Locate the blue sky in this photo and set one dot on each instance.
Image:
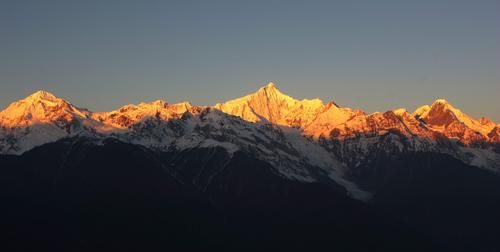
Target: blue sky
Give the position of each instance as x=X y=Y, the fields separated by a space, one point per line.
x=373 y=55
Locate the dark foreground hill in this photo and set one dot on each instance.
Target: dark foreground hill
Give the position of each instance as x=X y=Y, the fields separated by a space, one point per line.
x=80 y=195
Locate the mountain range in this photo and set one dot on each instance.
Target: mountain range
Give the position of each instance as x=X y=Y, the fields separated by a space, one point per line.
x=43 y=118
x=257 y=156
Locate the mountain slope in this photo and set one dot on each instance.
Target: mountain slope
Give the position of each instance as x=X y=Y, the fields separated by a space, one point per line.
x=131 y=114
x=254 y=172
x=352 y=135
x=38 y=119
x=161 y=126
x=443 y=117
x=88 y=194
x=40 y=107
x=85 y=195
x=303 y=140
x=269 y=104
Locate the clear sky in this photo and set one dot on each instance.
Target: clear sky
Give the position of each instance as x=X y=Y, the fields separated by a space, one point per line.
x=373 y=55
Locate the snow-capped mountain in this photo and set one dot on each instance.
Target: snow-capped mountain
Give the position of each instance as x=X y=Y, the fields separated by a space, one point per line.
x=265 y=160
x=304 y=140
x=176 y=127
x=317 y=119
x=39 y=119
x=442 y=117
x=292 y=155
x=38 y=108
x=132 y=114
x=354 y=136
x=270 y=105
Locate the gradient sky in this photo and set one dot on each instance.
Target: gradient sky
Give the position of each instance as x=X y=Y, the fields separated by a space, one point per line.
x=373 y=55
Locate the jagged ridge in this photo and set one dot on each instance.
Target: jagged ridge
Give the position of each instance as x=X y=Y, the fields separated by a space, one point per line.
x=267 y=122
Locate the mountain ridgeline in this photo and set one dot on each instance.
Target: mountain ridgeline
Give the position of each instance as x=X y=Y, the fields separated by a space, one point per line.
x=261 y=172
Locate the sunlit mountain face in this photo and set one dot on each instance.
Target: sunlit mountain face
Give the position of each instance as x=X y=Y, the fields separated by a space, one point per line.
x=261 y=171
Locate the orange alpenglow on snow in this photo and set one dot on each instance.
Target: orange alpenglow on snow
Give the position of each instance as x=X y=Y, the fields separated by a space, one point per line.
x=330 y=120
x=131 y=114
x=313 y=118
x=269 y=104
x=40 y=107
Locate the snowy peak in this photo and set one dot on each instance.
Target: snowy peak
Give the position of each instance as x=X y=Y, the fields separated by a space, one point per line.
x=270 y=104
x=400 y=112
x=182 y=107
x=131 y=114
x=42 y=95
x=441 y=114
x=440 y=101
x=444 y=117
x=40 y=107
x=39 y=119
x=273 y=97
x=331 y=104
x=43 y=117
x=439 y=106
x=421 y=111
x=270 y=88
x=271 y=85
x=328 y=119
